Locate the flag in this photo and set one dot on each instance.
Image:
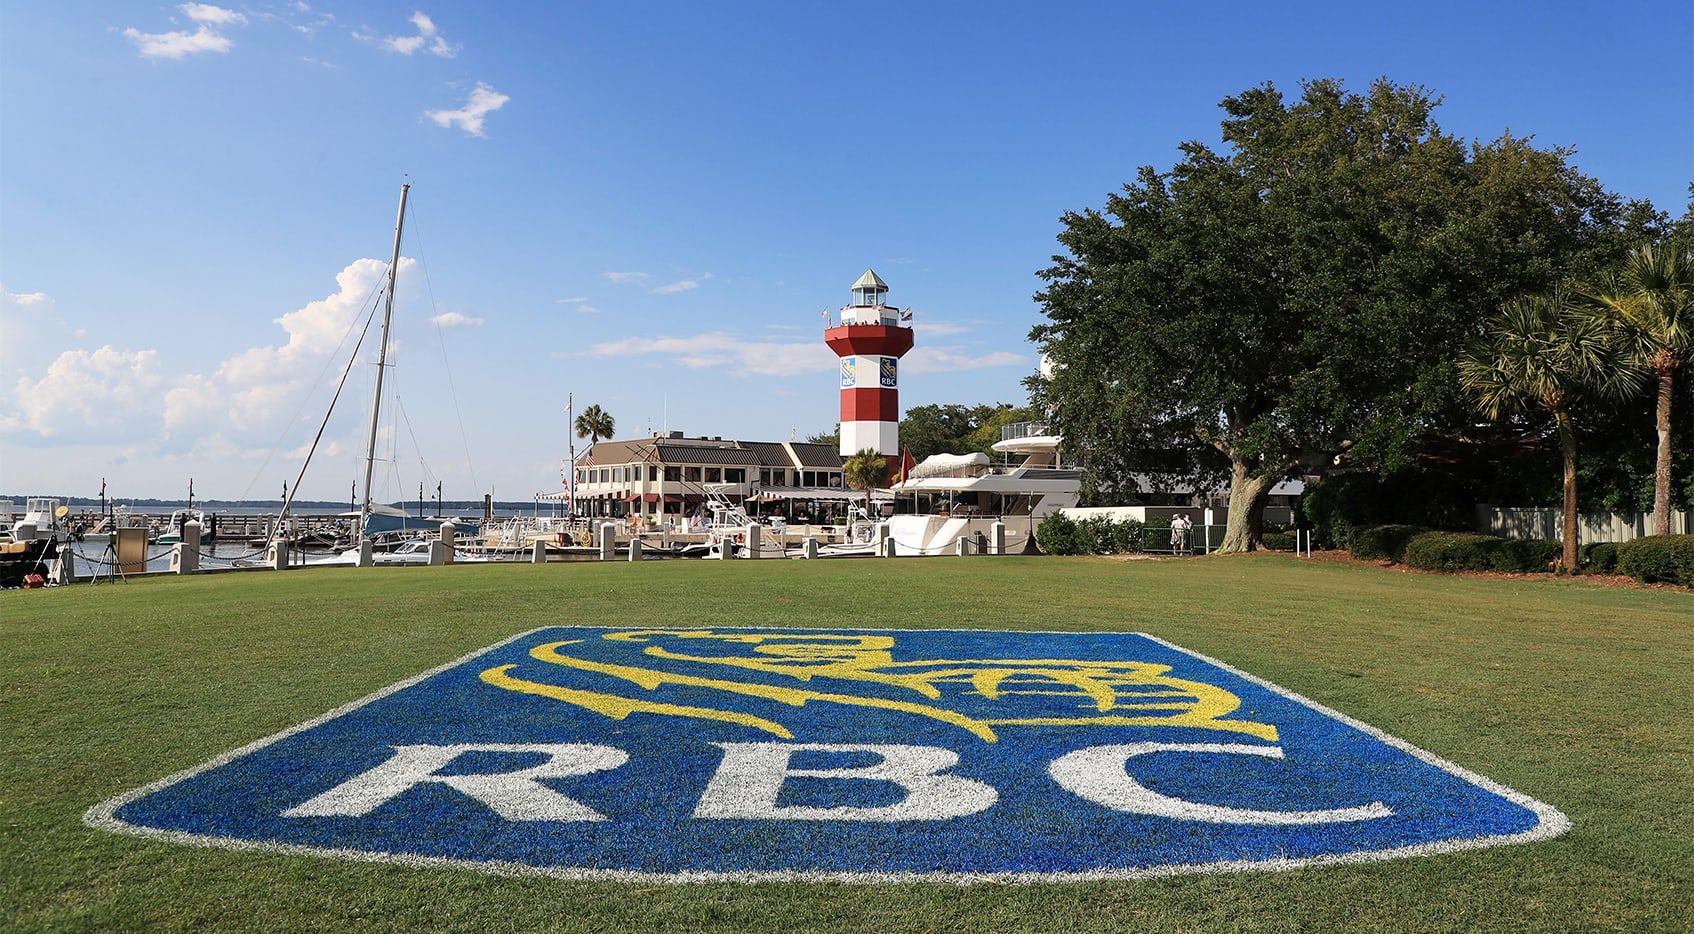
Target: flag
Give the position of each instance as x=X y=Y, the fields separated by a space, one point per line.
x=906 y=315
x=906 y=465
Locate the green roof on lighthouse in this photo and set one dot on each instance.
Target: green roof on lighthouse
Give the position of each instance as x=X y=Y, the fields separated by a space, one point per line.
x=870 y=280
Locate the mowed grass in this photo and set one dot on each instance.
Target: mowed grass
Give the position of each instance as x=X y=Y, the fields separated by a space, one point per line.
x=1573 y=693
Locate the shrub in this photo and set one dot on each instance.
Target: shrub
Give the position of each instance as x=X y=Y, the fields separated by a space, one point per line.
x=1531 y=556
x=1598 y=557
x=1382 y=542
x=1095 y=536
x=1658 y=559
x=1452 y=551
x=1277 y=541
x=1057 y=535
x=1126 y=537
x=1338 y=506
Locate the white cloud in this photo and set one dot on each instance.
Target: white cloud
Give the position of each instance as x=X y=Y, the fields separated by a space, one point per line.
x=483 y=101
x=24 y=298
x=744 y=356
x=623 y=278
x=682 y=286
x=106 y=392
x=206 y=14
x=453 y=319
x=733 y=354
x=944 y=360
x=571 y=301
x=426 y=38
x=179 y=44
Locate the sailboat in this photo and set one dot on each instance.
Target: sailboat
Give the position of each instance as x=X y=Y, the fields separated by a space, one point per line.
x=376 y=522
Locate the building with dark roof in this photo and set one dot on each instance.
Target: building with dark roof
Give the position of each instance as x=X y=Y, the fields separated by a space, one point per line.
x=669 y=476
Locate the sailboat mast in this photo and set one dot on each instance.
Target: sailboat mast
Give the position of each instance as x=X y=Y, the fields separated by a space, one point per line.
x=382 y=356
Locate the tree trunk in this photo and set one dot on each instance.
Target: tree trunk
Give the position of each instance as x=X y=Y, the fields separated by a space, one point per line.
x=1247 y=497
x=1661 y=470
x=1567 y=443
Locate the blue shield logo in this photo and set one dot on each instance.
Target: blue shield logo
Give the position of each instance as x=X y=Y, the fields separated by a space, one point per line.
x=890 y=372
x=835 y=754
x=847 y=380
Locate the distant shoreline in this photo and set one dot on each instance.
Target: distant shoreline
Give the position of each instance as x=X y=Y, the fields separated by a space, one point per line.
x=448 y=507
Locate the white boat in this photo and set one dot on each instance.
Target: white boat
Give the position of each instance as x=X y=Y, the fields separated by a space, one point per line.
x=727 y=529
x=105 y=530
x=29 y=549
x=172 y=533
x=965 y=496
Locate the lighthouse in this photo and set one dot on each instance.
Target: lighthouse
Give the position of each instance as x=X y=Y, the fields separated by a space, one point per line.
x=870 y=340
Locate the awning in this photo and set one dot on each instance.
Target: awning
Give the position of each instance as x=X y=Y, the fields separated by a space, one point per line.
x=773 y=494
x=650 y=497
x=632 y=498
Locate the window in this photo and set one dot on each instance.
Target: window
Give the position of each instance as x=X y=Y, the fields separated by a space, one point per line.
x=735 y=475
x=714 y=474
x=652 y=473
x=673 y=473
x=691 y=474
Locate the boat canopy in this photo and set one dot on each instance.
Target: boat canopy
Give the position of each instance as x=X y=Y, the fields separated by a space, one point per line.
x=950 y=465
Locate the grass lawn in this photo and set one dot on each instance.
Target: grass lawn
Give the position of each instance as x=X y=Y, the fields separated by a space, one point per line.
x=1576 y=694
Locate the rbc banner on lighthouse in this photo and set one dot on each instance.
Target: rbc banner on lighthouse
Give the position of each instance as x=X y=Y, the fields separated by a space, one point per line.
x=679 y=753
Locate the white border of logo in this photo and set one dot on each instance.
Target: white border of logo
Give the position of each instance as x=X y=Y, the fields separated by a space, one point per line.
x=1551 y=822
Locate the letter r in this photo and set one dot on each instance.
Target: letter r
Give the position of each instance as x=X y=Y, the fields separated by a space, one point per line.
x=516 y=795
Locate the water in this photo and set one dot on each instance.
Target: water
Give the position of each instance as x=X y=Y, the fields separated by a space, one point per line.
x=92 y=557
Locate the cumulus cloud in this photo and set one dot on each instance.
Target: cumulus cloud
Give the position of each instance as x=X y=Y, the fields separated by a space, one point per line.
x=427 y=38
x=453 y=319
x=483 y=101
x=105 y=391
x=179 y=44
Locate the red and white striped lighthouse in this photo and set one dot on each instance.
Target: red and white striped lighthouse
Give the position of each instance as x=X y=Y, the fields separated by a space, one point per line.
x=870 y=340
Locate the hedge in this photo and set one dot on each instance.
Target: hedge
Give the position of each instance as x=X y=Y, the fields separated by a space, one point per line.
x=1058 y=534
x=1598 y=557
x=1655 y=559
x=1382 y=542
x=1278 y=541
x=1466 y=551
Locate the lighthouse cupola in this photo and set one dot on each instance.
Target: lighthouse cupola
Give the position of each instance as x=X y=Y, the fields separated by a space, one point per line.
x=870 y=340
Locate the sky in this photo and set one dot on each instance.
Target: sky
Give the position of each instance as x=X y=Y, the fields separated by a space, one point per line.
x=647 y=206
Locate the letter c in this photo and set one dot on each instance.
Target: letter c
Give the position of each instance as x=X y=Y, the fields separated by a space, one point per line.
x=1100 y=774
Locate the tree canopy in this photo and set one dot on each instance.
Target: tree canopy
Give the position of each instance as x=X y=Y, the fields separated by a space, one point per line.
x=1302 y=295
x=595 y=423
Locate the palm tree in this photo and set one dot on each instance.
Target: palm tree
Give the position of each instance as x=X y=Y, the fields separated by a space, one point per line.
x=594 y=423
x=1652 y=304
x=866 y=470
x=1546 y=352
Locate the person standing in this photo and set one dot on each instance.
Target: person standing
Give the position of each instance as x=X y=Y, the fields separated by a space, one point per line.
x=1179 y=534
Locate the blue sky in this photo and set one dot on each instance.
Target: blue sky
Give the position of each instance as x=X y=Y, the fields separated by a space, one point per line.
x=645 y=206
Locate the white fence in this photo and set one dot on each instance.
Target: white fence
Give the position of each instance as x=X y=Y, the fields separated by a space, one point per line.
x=1546 y=524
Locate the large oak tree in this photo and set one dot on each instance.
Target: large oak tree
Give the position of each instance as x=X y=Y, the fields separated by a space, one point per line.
x=1302 y=294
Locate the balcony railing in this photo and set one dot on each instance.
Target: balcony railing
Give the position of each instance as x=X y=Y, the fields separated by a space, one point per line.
x=1022 y=430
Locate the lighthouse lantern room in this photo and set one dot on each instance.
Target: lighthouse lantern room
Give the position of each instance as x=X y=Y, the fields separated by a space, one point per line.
x=870 y=340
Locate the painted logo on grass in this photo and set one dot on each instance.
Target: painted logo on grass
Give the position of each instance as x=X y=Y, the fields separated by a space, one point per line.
x=847 y=754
